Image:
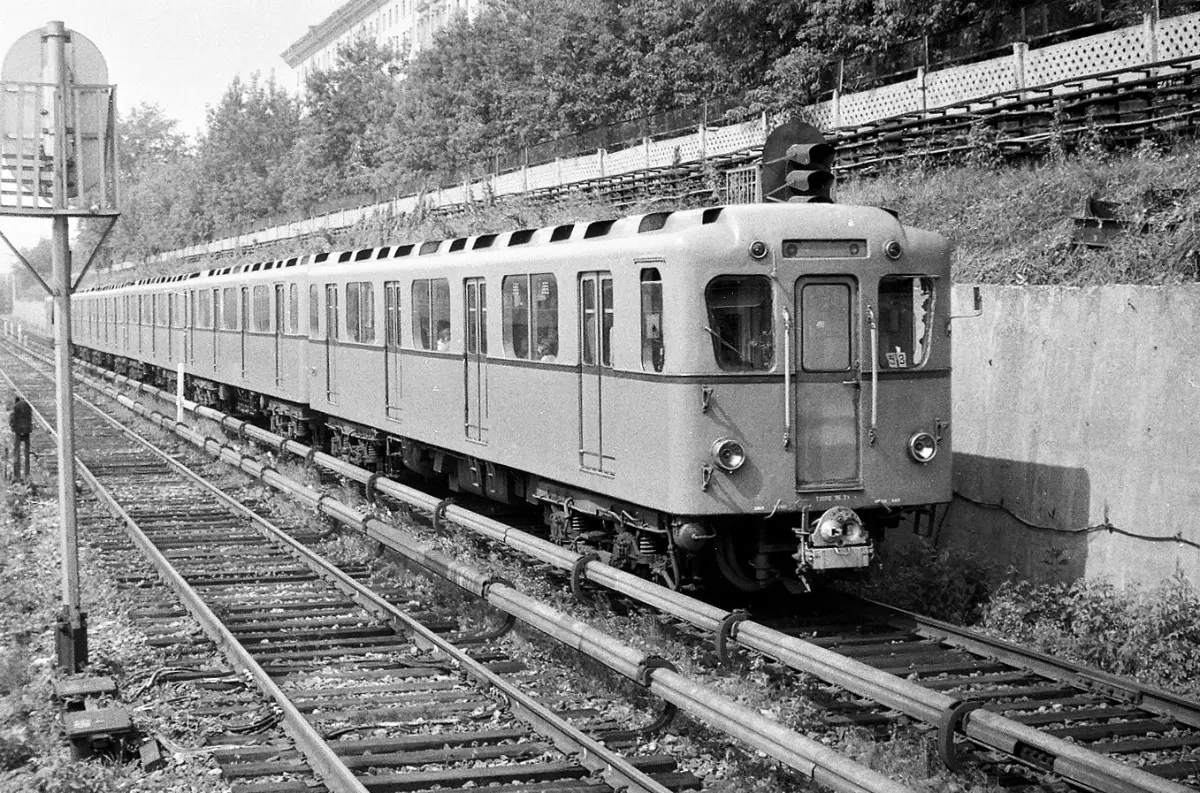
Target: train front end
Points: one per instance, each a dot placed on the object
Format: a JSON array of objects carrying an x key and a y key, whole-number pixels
[{"x": 825, "y": 418}]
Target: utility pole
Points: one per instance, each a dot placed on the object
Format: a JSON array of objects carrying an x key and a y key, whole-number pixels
[{"x": 57, "y": 112}]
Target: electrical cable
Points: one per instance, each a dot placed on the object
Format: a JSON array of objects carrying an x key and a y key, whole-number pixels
[{"x": 1106, "y": 526}]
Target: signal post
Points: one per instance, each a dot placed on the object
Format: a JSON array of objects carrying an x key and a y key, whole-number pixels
[{"x": 58, "y": 160}]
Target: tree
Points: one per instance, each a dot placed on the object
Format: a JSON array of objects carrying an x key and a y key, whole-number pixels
[
  {"x": 242, "y": 154},
  {"x": 147, "y": 138}
]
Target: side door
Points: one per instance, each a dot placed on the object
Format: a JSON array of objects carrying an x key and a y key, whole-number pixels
[
  {"x": 828, "y": 384},
  {"x": 476, "y": 374},
  {"x": 217, "y": 319},
  {"x": 393, "y": 374},
  {"x": 280, "y": 324},
  {"x": 331, "y": 341},
  {"x": 595, "y": 368},
  {"x": 244, "y": 326}
]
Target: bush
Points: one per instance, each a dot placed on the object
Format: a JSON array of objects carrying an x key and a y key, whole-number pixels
[
  {"x": 1150, "y": 633},
  {"x": 946, "y": 585}
]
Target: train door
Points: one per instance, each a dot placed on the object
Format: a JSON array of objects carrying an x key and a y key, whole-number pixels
[
  {"x": 391, "y": 349},
  {"x": 476, "y": 360},
  {"x": 172, "y": 322},
  {"x": 189, "y": 324},
  {"x": 243, "y": 326},
  {"x": 828, "y": 384},
  {"x": 595, "y": 370},
  {"x": 331, "y": 339},
  {"x": 217, "y": 319},
  {"x": 280, "y": 324}
]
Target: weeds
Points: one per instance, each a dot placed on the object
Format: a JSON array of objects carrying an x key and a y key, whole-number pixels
[
  {"x": 942, "y": 584},
  {"x": 1150, "y": 633}
]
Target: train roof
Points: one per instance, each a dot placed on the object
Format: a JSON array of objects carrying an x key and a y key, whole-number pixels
[{"x": 616, "y": 228}]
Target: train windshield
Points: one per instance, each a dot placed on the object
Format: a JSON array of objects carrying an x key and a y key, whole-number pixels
[
  {"x": 741, "y": 322},
  {"x": 905, "y": 320}
]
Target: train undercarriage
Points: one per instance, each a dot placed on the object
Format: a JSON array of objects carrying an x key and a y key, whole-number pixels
[{"x": 747, "y": 553}]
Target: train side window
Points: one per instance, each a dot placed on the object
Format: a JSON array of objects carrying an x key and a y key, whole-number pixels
[
  {"x": 653, "y": 354},
  {"x": 529, "y": 304},
  {"x": 293, "y": 311},
  {"x": 431, "y": 313},
  {"x": 360, "y": 311},
  {"x": 741, "y": 322},
  {"x": 314, "y": 311},
  {"x": 229, "y": 308},
  {"x": 261, "y": 309},
  {"x": 905, "y": 321}
]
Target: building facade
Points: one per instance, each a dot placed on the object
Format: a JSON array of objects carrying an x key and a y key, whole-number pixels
[{"x": 406, "y": 25}]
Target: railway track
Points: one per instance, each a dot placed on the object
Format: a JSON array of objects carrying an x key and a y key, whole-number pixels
[
  {"x": 1145, "y": 727},
  {"x": 1025, "y": 711},
  {"x": 372, "y": 697}
]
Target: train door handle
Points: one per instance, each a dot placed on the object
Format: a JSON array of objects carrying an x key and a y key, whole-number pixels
[{"x": 855, "y": 383}]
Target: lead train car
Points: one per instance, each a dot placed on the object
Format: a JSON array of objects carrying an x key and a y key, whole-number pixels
[{"x": 752, "y": 391}]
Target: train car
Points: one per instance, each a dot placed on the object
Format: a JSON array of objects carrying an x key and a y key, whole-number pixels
[{"x": 755, "y": 392}]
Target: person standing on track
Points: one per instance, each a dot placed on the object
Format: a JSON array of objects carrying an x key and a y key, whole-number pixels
[{"x": 20, "y": 421}]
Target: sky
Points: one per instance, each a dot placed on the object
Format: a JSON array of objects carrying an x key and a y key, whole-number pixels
[{"x": 178, "y": 54}]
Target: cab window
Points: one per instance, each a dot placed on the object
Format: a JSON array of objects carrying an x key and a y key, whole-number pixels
[
  {"x": 905, "y": 320},
  {"x": 741, "y": 322},
  {"x": 653, "y": 355}
]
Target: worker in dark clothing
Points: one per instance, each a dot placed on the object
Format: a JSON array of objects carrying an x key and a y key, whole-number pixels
[{"x": 20, "y": 421}]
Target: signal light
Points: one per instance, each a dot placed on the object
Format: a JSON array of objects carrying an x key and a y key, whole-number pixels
[{"x": 797, "y": 165}]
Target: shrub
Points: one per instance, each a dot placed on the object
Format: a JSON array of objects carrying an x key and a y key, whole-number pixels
[
  {"x": 943, "y": 584},
  {"x": 1150, "y": 633}
]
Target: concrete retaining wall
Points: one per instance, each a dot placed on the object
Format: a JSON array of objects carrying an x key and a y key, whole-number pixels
[{"x": 1076, "y": 410}]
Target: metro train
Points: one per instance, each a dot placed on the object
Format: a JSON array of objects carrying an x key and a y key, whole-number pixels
[{"x": 749, "y": 392}]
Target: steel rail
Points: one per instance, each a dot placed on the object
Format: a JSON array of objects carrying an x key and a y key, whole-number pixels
[
  {"x": 1151, "y": 698},
  {"x": 807, "y": 756},
  {"x": 1025, "y": 744},
  {"x": 316, "y": 750},
  {"x": 590, "y": 753}
]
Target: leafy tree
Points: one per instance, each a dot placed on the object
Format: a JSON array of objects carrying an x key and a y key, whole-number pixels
[
  {"x": 147, "y": 137},
  {"x": 250, "y": 134}
]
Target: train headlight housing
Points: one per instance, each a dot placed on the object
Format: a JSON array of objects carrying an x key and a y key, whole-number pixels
[
  {"x": 922, "y": 447},
  {"x": 728, "y": 454},
  {"x": 758, "y": 249}
]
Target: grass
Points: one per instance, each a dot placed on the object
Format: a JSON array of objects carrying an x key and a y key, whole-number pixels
[{"x": 1013, "y": 224}]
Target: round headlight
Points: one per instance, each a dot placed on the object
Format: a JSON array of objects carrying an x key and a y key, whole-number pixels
[
  {"x": 923, "y": 447},
  {"x": 758, "y": 249},
  {"x": 728, "y": 454},
  {"x": 893, "y": 249}
]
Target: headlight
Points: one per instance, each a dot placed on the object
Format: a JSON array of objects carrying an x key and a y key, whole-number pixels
[
  {"x": 728, "y": 454},
  {"x": 923, "y": 447}
]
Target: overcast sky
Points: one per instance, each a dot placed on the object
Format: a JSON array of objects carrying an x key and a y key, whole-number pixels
[{"x": 178, "y": 54}]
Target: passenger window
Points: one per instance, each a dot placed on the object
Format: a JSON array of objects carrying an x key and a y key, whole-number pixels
[
  {"x": 360, "y": 311},
  {"x": 905, "y": 321},
  {"x": 431, "y": 314},
  {"x": 293, "y": 312},
  {"x": 229, "y": 309},
  {"x": 653, "y": 354},
  {"x": 741, "y": 322},
  {"x": 530, "y": 317},
  {"x": 261, "y": 309}
]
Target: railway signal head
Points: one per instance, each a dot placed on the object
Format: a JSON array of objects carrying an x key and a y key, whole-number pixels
[
  {"x": 797, "y": 165},
  {"x": 810, "y": 173}
]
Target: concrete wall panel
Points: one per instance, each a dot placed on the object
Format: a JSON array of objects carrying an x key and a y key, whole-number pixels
[{"x": 1078, "y": 409}]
